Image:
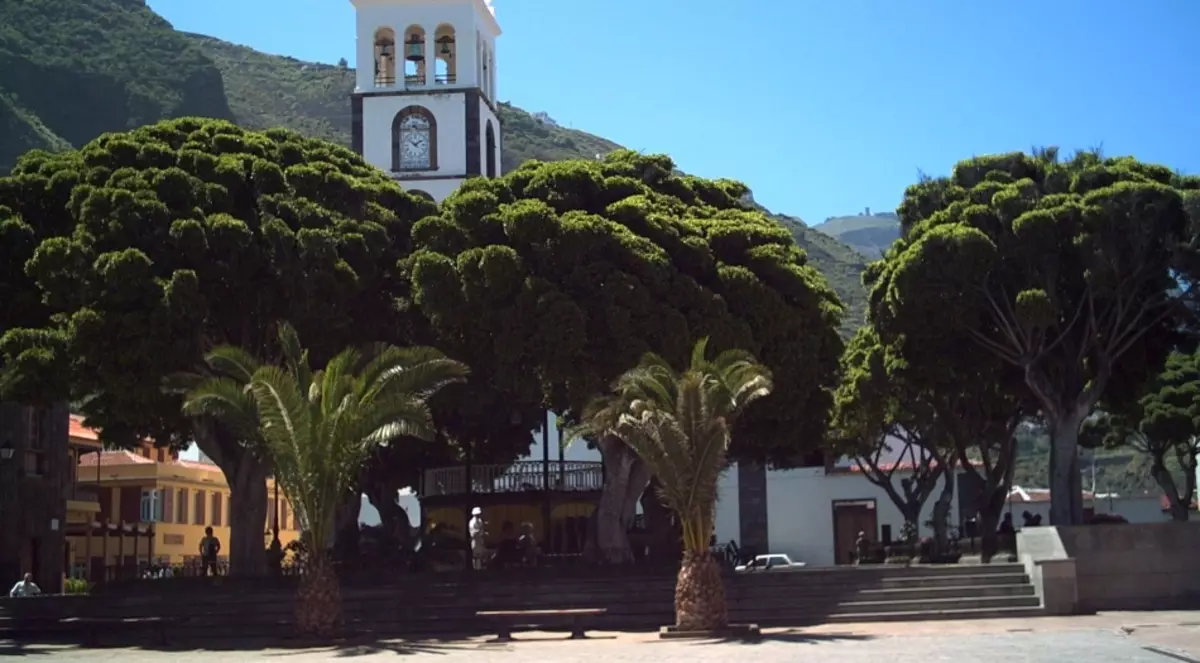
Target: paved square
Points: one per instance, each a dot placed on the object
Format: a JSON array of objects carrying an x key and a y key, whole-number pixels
[
  {"x": 1146, "y": 637},
  {"x": 1019, "y": 647}
]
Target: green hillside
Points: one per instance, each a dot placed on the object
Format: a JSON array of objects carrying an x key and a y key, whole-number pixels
[
  {"x": 73, "y": 69},
  {"x": 869, "y": 234}
]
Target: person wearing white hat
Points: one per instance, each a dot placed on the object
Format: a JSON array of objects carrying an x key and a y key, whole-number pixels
[{"x": 478, "y": 547}]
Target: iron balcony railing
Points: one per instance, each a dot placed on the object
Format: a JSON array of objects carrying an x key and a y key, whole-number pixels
[{"x": 522, "y": 476}]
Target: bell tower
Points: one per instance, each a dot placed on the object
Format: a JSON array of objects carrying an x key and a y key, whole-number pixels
[{"x": 424, "y": 102}]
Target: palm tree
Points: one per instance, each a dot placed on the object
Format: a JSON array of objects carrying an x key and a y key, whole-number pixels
[
  {"x": 319, "y": 428},
  {"x": 679, "y": 423}
]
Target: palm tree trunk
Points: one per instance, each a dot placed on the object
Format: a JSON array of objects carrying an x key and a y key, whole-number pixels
[
  {"x": 319, "y": 599},
  {"x": 700, "y": 594}
]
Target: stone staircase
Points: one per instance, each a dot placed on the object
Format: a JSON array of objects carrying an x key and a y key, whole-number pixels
[{"x": 416, "y": 605}]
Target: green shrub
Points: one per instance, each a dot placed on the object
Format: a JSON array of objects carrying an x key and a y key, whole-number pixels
[{"x": 76, "y": 586}]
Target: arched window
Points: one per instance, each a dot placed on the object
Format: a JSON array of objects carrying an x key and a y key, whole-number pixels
[
  {"x": 385, "y": 57},
  {"x": 414, "y": 140},
  {"x": 490, "y": 140},
  {"x": 414, "y": 55},
  {"x": 422, "y": 194},
  {"x": 446, "y": 55}
]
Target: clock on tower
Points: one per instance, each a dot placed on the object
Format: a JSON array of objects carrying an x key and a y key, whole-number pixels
[{"x": 424, "y": 102}]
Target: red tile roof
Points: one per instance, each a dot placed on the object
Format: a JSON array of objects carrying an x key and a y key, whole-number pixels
[
  {"x": 853, "y": 467},
  {"x": 113, "y": 457},
  {"x": 81, "y": 432},
  {"x": 1029, "y": 495}
]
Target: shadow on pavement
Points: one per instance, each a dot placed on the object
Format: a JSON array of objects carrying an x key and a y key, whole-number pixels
[{"x": 794, "y": 636}]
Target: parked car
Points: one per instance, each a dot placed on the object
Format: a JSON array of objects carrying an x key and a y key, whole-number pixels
[{"x": 763, "y": 563}]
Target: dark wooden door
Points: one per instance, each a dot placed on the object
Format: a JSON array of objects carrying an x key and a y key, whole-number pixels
[{"x": 850, "y": 518}]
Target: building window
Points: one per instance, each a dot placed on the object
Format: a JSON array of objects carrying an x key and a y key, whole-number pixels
[
  {"x": 198, "y": 510},
  {"x": 490, "y": 152},
  {"x": 152, "y": 506},
  {"x": 271, "y": 513},
  {"x": 216, "y": 509},
  {"x": 168, "y": 507},
  {"x": 414, "y": 140},
  {"x": 37, "y": 437},
  {"x": 181, "y": 506},
  {"x": 35, "y": 463},
  {"x": 283, "y": 516},
  {"x": 229, "y": 511}
]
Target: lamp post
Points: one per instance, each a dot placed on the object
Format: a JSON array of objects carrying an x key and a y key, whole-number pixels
[{"x": 275, "y": 551}]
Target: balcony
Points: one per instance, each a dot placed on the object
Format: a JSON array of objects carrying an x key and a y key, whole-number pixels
[{"x": 519, "y": 477}]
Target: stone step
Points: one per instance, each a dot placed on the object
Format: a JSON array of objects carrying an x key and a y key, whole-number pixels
[
  {"x": 922, "y": 593},
  {"x": 968, "y": 580},
  {"x": 939, "y": 604},
  {"x": 929, "y": 615}
]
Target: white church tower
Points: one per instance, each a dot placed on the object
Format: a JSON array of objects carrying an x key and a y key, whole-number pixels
[{"x": 424, "y": 103}]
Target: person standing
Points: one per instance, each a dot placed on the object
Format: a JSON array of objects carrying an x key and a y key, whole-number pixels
[
  {"x": 25, "y": 587},
  {"x": 476, "y": 529},
  {"x": 210, "y": 547}
]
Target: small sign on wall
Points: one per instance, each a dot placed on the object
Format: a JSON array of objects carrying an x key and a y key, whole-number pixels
[{"x": 54, "y": 524}]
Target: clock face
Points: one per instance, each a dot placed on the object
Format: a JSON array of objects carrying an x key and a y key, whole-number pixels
[{"x": 415, "y": 143}]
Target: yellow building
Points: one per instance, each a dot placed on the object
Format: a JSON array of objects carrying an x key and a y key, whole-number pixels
[{"x": 154, "y": 508}]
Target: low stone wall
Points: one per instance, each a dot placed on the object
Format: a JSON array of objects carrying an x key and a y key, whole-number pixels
[{"x": 1087, "y": 568}]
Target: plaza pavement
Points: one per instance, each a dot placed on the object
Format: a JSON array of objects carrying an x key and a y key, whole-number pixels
[{"x": 1146, "y": 637}]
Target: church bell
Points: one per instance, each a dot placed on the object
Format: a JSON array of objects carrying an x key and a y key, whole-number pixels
[
  {"x": 416, "y": 48},
  {"x": 445, "y": 41}
]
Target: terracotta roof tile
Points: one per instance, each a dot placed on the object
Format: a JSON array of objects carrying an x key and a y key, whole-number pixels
[
  {"x": 79, "y": 431},
  {"x": 112, "y": 458}
]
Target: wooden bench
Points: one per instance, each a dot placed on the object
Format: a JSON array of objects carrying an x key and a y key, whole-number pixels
[
  {"x": 93, "y": 626},
  {"x": 505, "y": 620}
]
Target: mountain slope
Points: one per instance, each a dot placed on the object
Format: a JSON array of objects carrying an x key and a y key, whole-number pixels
[
  {"x": 869, "y": 234},
  {"x": 73, "y": 69}
]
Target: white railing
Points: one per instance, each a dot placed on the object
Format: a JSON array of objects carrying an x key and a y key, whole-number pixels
[{"x": 523, "y": 476}]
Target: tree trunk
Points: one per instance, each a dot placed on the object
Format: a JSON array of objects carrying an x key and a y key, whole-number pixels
[
  {"x": 700, "y": 594},
  {"x": 246, "y": 475},
  {"x": 1162, "y": 476},
  {"x": 625, "y": 478},
  {"x": 345, "y": 527},
  {"x": 941, "y": 511},
  {"x": 319, "y": 598},
  {"x": 1066, "y": 485},
  {"x": 991, "y": 510},
  {"x": 665, "y": 535}
]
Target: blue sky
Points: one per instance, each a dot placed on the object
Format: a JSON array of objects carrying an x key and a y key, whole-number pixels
[{"x": 824, "y": 107}]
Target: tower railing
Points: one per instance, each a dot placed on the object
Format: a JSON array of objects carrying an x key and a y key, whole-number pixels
[{"x": 522, "y": 476}]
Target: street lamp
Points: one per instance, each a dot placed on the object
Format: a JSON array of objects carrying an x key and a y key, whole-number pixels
[{"x": 6, "y": 452}]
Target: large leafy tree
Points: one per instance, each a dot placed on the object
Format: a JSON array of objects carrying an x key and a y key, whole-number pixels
[
  {"x": 160, "y": 244},
  {"x": 885, "y": 423},
  {"x": 1062, "y": 269},
  {"x": 557, "y": 277},
  {"x": 679, "y": 423},
  {"x": 1164, "y": 424},
  {"x": 319, "y": 427}
]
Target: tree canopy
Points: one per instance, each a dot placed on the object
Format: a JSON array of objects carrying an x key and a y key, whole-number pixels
[
  {"x": 558, "y": 277},
  {"x": 160, "y": 244},
  {"x": 1164, "y": 424},
  {"x": 1063, "y": 269}
]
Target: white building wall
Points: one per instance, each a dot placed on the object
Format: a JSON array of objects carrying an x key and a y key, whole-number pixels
[
  {"x": 1134, "y": 509},
  {"x": 449, "y": 109},
  {"x": 438, "y": 189},
  {"x": 800, "y": 510}
]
